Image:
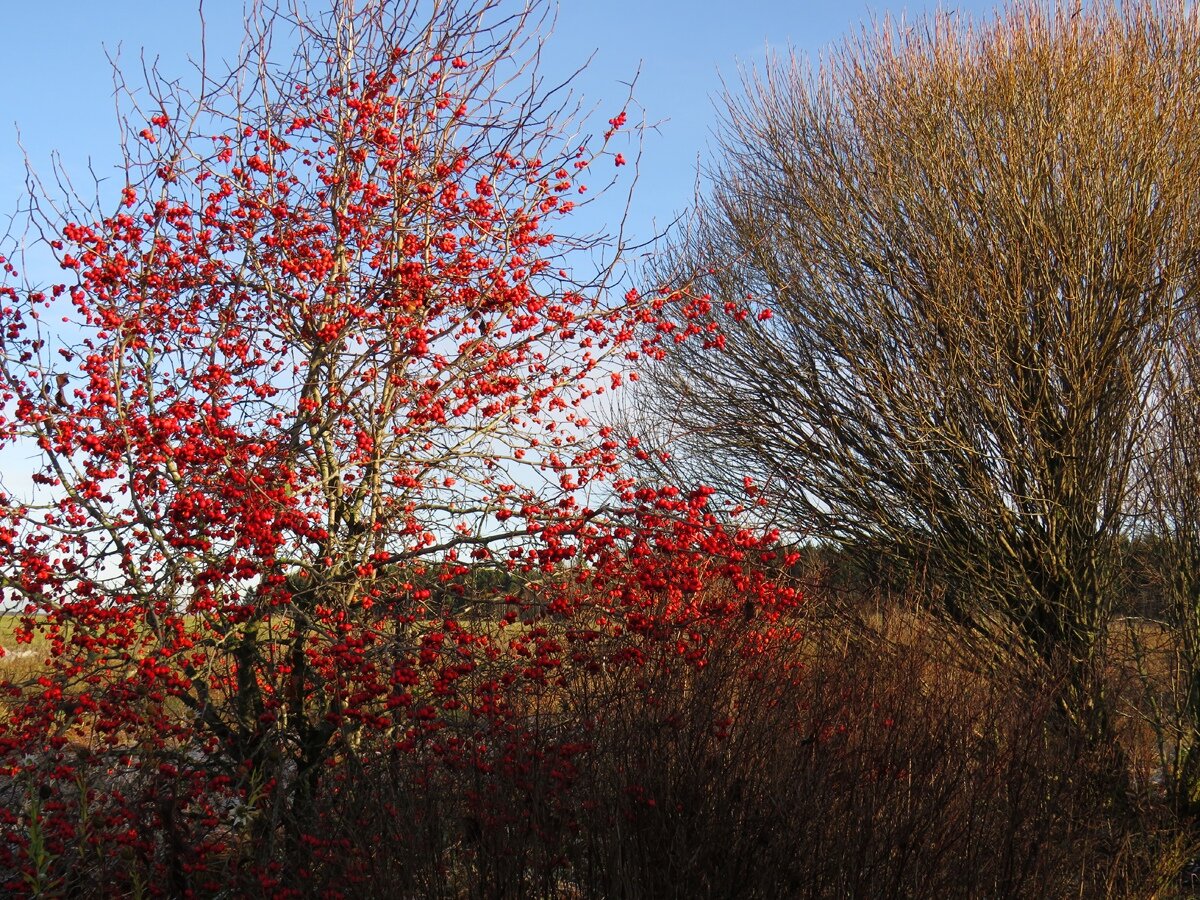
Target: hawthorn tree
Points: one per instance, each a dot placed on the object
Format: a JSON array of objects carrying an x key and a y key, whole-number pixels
[
  {"x": 318, "y": 363},
  {"x": 967, "y": 245}
]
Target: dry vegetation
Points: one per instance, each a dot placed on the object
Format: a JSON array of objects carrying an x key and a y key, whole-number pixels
[
  {"x": 875, "y": 763},
  {"x": 875, "y": 760},
  {"x": 973, "y": 257}
]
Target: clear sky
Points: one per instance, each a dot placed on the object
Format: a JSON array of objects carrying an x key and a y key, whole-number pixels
[{"x": 59, "y": 89}]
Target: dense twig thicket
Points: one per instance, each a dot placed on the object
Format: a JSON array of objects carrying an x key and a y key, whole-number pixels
[{"x": 971, "y": 252}]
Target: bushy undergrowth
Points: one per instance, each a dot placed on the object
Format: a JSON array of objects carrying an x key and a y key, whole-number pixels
[{"x": 822, "y": 767}]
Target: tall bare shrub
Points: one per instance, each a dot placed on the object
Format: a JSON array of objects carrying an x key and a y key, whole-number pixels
[{"x": 967, "y": 243}]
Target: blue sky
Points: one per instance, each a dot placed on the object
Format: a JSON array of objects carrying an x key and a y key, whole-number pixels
[{"x": 59, "y": 83}]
